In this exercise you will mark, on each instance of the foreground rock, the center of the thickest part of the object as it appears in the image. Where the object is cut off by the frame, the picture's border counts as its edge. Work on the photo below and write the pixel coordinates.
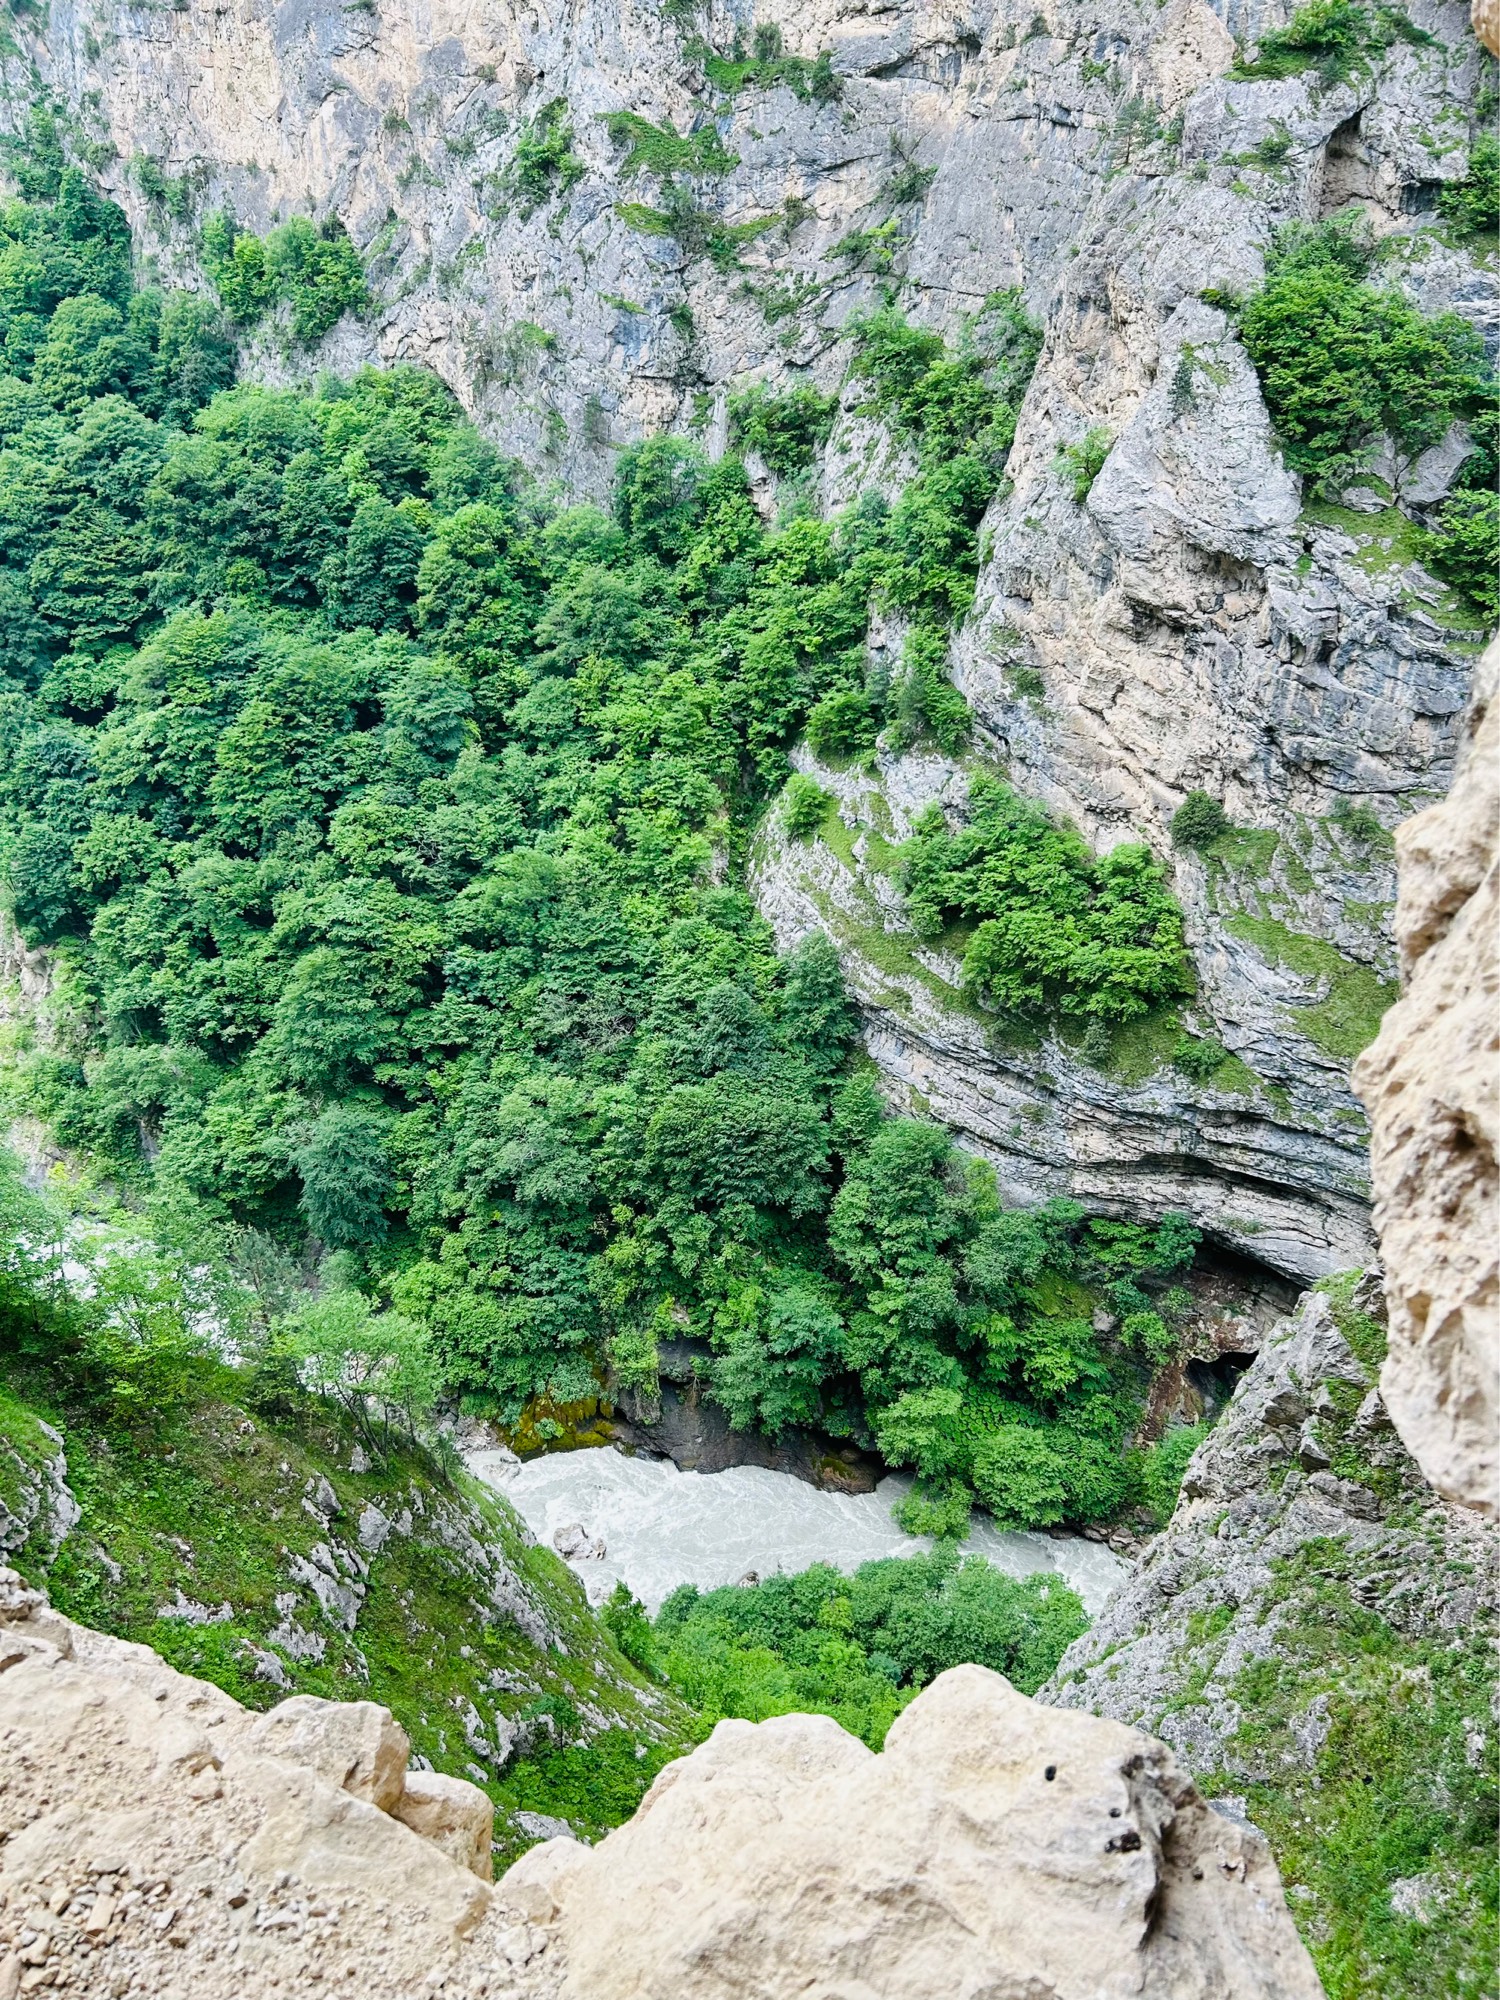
(992, 1849)
(158, 1839)
(1431, 1083)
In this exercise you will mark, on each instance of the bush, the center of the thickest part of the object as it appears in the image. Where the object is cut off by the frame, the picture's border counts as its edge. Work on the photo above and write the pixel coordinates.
(1163, 1466)
(804, 806)
(1199, 1056)
(841, 725)
(1198, 822)
(1341, 361)
(1473, 204)
(1464, 550)
(1055, 929)
(543, 166)
(1080, 464)
(788, 430)
(1337, 38)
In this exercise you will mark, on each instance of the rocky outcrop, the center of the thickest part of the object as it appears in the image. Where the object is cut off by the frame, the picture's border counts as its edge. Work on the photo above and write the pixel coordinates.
(1310, 1582)
(994, 1847)
(991, 1848)
(1432, 1085)
(1261, 1155)
(159, 1838)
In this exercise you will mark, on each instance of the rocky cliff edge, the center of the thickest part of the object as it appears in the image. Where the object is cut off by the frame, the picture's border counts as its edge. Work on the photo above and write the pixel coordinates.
(160, 1839)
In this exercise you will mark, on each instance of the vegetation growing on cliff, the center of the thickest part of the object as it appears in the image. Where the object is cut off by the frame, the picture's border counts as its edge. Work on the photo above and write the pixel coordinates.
(382, 822)
(1344, 362)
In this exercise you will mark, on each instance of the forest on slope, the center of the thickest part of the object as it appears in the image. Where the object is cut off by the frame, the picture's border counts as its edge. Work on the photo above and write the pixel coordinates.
(383, 821)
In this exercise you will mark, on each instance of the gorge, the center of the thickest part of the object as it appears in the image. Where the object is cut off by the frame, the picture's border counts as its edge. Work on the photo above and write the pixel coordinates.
(708, 715)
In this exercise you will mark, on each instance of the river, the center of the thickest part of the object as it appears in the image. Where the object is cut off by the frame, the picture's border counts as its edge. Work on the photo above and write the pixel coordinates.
(660, 1527)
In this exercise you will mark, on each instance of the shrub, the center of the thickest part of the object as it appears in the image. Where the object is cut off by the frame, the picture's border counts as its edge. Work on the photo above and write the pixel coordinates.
(1081, 463)
(1337, 38)
(543, 166)
(1199, 1056)
(787, 430)
(841, 725)
(1163, 1466)
(1341, 361)
(1464, 550)
(1198, 822)
(1055, 929)
(1473, 204)
(804, 806)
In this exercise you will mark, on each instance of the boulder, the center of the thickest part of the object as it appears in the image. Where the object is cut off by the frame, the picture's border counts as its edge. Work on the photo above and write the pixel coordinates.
(357, 1745)
(453, 1814)
(995, 1847)
(1431, 1084)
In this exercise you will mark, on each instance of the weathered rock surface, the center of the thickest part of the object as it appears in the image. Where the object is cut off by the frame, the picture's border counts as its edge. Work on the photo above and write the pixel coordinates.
(1432, 1085)
(158, 1839)
(1303, 1483)
(993, 1848)
(1188, 625)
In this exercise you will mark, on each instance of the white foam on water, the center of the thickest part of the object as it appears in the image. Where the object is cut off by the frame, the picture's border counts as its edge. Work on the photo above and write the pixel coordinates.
(661, 1527)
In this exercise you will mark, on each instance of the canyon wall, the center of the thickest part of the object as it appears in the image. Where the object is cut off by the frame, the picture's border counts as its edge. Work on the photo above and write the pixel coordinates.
(1192, 622)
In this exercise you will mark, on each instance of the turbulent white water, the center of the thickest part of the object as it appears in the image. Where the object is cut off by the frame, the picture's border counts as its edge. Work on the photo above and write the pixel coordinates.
(661, 1527)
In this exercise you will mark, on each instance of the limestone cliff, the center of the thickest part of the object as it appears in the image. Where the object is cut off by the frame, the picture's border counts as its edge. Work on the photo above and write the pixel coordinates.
(1191, 623)
(1313, 1633)
(201, 1850)
(1431, 1082)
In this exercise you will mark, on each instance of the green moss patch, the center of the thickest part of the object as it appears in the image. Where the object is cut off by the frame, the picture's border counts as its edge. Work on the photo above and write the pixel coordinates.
(1348, 1018)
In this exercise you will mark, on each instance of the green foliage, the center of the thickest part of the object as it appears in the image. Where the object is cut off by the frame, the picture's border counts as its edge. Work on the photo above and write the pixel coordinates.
(1337, 38)
(1199, 1056)
(658, 149)
(1198, 822)
(787, 430)
(1341, 361)
(767, 66)
(1398, 1784)
(544, 166)
(1081, 463)
(316, 274)
(859, 1648)
(1163, 1465)
(1473, 204)
(389, 824)
(190, 1476)
(804, 806)
(1055, 929)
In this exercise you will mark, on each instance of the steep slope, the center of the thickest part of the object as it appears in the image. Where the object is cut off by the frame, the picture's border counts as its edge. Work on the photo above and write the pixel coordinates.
(1314, 1633)
(594, 223)
(257, 1545)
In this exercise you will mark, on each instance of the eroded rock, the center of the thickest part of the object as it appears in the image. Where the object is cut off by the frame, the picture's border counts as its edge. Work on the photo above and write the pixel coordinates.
(993, 1847)
(1431, 1083)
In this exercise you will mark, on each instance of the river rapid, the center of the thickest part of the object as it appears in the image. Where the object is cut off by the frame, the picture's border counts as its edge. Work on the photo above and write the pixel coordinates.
(642, 1521)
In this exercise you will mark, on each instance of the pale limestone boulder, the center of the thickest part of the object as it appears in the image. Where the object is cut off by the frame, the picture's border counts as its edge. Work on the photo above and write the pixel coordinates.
(357, 1745)
(454, 1815)
(995, 1848)
(1431, 1084)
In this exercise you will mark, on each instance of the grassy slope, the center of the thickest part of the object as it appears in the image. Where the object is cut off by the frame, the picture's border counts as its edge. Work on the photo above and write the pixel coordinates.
(221, 1503)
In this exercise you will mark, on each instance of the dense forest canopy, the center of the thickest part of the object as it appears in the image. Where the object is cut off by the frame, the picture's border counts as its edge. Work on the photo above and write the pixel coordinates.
(384, 820)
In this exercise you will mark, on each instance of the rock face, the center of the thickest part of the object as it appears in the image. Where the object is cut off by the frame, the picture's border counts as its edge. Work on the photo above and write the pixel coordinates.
(996, 1847)
(193, 1848)
(1308, 1582)
(1188, 624)
(992, 1848)
(1432, 1085)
